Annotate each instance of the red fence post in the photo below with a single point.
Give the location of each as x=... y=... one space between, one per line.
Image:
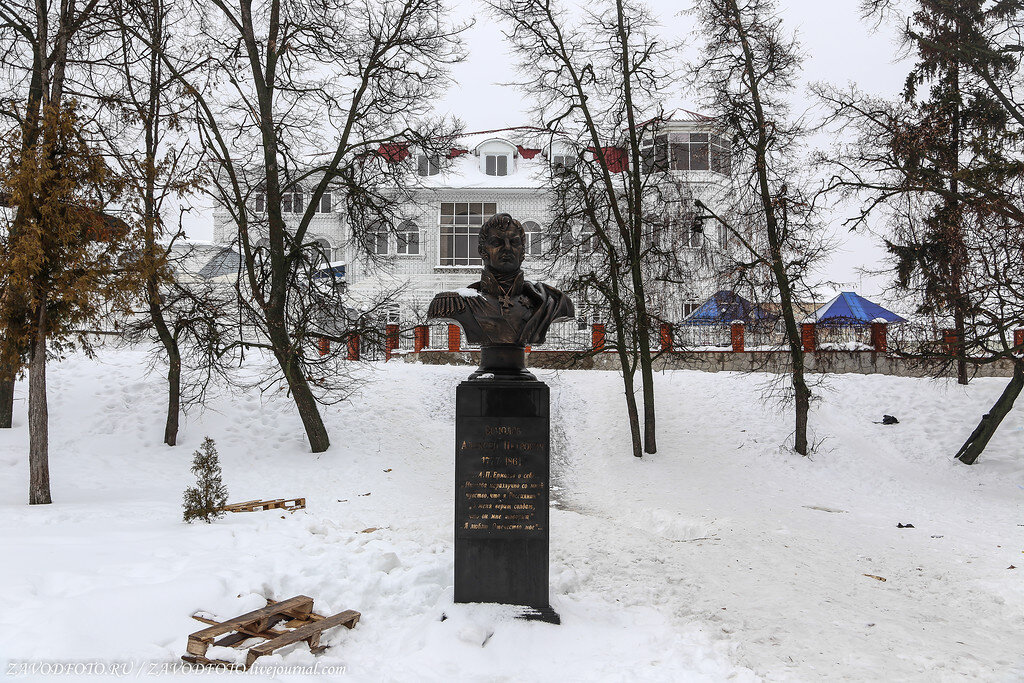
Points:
x=454 y=337
x=597 y=335
x=807 y=337
x=353 y=347
x=420 y=337
x=390 y=340
x=1018 y=337
x=323 y=346
x=879 y=336
x=950 y=340
x=665 y=336
x=736 y=333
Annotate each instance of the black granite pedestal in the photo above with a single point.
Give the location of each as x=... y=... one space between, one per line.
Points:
x=502 y=439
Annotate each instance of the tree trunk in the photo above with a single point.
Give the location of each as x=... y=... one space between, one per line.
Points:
x=305 y=402
x=981 y=435
x=38 y=435
x=634 y=417
x=316 y=432
x=803 y=405
x=961 y=348
x=6 y=403
x=173 y=396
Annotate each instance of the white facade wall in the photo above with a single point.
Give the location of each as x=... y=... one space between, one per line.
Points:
x=521 y=193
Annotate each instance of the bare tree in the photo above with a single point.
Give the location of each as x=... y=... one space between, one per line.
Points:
x=747 y=71
x=144 y=131
x=597 y=83
x=301 y=98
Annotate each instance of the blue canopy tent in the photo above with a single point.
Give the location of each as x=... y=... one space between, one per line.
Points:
x=725 y=307
x=850 y=308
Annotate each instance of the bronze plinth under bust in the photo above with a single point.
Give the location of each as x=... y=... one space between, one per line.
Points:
x=503 y=312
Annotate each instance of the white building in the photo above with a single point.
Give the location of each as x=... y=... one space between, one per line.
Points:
x=434 y=246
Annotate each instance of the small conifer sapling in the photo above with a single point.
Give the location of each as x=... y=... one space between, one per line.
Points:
x=203 y=500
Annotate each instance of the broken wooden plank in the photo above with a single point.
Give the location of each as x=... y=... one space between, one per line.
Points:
x=257 y=620
x=310 y=632
x=290 y=504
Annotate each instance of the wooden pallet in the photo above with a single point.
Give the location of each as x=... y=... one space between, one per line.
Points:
x=290 y=504
x=302 y=624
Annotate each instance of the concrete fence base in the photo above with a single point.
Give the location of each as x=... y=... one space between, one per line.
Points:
x=857 y=362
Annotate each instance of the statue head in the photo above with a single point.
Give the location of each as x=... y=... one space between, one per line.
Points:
x=502 y=244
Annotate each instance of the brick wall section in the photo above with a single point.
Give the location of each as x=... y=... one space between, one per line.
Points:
x=353 y=347
x=879 y=336
x=737 y=335
x=597 y=336
x=949 y=338
x=807 y=337
x=420 y=338
x=1018 y=337
x=454 y=337
x=857 y=362
x=323 y=346
x=390 y=340
x=665 y=336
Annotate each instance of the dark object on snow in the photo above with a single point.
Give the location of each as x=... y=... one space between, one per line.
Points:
x=501 y=502
x=900 y=525
x=889 y=420
x=204 y=500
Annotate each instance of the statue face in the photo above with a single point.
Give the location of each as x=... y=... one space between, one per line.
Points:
x=503 y=250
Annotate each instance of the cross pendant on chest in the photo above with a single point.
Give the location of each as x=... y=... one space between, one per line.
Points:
x=505 y=300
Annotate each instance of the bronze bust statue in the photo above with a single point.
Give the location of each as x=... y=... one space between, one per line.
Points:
x=503 y=312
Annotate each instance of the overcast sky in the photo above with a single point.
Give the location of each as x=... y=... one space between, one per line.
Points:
x=839 y=48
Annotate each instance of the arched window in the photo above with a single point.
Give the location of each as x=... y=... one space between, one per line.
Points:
x=533 y=238
x=408 y=238
x=324 y=251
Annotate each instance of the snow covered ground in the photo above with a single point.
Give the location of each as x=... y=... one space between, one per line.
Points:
x=723 y=557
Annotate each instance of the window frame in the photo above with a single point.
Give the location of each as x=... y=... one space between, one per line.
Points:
x=461 y=227
x=404 y=229
x=501 y=157
x=425 y=164
x=534 y=242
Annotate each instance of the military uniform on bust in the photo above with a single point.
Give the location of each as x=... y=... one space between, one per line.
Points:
x=503 y=312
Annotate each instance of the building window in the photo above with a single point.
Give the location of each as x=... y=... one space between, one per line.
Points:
x=460 y=231
x=322 y=249
x=534 y=240
x=326 y=203
x=293 y=201
x=588 y=243
x=687 y=152
x=260 y=202
x=496 y=164
x=377 y=240
x=561 y=163
x=426 y=166
x=408 y=238
x=689 y=308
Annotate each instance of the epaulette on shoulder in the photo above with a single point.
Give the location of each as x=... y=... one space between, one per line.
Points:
x=445 y=305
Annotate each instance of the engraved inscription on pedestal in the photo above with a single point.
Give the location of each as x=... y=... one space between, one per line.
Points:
x=502 y=478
